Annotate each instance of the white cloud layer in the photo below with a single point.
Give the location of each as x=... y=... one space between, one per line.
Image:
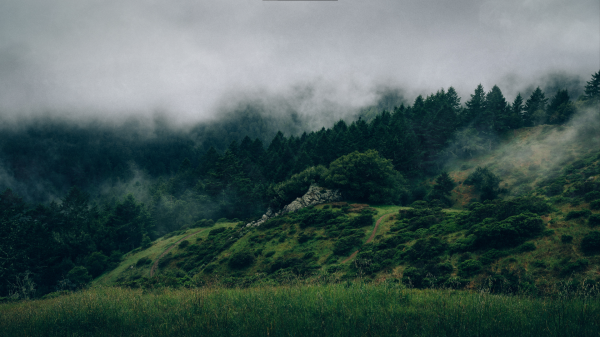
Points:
x=108 y=58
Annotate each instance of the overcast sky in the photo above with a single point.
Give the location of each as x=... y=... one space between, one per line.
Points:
x=192 y=59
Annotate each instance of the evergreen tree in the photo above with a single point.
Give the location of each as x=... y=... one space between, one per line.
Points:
x=475 y=106
x=559 y=111
x=535 y=107
x=592 y=89
x=497 y=110
x=515 y=120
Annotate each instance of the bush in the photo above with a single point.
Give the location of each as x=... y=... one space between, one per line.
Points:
x=344 y=245
x=485 y=182
x=594 y=220
x=526 y=247
x=79 y=276
x=509 y=232
x=590 y=244
x=217 y=231
x=575 y=267
x=221 y=220
x=566 y=238
x=204 y=223
x=362 y=220
x=143 y=261
x=469 y=268
x=241 y=260
x=595 y=204
x=184 y=244
x=584 y=213
x=594 y=195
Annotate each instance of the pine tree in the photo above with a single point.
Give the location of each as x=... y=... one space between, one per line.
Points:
x=558 y=112
x=497 y=111
x=475 y=106
x=592 y=89
x=516 y=113
x=535 y=107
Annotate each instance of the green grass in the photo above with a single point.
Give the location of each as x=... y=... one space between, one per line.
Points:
x=343 y=309
x=153 y=252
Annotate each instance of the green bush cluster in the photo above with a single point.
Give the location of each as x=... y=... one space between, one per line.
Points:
x=508 y=232
x=584 y=213
x=590 y=244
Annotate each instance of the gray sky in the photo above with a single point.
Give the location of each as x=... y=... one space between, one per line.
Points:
x=193 y=59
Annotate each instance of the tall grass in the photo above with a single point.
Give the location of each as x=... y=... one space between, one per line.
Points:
x=343 y=309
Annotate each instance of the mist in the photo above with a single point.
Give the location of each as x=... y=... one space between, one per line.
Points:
x=320 y=61
x=537 y=155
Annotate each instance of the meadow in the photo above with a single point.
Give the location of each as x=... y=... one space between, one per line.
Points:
x=334 y=309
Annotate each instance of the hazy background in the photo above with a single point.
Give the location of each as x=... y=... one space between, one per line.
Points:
x=198 y=60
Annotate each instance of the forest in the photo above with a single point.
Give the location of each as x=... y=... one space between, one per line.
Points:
x=78 y=197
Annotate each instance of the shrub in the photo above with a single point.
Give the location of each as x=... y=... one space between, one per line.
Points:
x=269 y=254
x=491 y=255
x=362 y=220
x=184 y=244
x=590 y=244
x=595 y=204
x=221 y=220
x=566 y=238
x=217 y=231
x=526 y=247
x=304 y=238
x=594 y=195
x=575 y=267
x=241 y=260
x=79 y=276
x=204 y=223
x=509 y=232
x=143 y=261
x=485 y=182
x=584 y=213
x=469 y=268
x=343 y=245
x=594 y=220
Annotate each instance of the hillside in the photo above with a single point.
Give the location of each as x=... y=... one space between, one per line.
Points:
x=537 y=237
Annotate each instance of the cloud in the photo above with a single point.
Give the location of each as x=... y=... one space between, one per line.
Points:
x=109 y=59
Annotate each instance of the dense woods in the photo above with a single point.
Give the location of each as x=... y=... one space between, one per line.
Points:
x=77 y=197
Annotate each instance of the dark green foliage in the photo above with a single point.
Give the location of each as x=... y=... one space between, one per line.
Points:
x=360 y=221
x=590 y=244
x=204 y=223
x=566 y=238
x=442 y=188
x=469 y=268
x=184 y=244
x=241 y=260
x=425 y=249
x=143 y=261
x=485 y=182
x=366 y=177
x=96 y=263
x=492 y=255
x=595 y=205
x=217 y=231
x=578 y=266
x=526 y=247
x=594 y=195
x=594 y=220
x=508 y=232
x=304 y=238
x=79 y=276
x=345 y=244
x=584 y=213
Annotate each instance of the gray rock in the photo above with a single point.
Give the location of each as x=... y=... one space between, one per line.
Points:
x=316 y=195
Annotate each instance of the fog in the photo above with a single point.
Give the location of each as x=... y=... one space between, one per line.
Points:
x=196 y=60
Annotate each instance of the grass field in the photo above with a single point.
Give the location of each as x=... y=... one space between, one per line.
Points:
x=343 y=309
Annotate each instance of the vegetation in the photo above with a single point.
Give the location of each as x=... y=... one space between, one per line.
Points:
x=344 y=309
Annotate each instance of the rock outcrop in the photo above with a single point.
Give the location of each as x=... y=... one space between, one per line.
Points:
x=316 y=195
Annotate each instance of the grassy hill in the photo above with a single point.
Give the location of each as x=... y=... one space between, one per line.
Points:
x=538 y=236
